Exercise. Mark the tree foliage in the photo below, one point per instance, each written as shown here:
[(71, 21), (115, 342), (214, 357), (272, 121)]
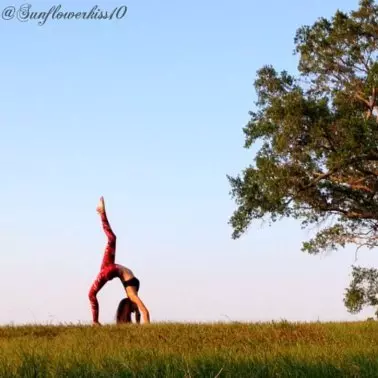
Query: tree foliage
[(318, 136), (363, 290)]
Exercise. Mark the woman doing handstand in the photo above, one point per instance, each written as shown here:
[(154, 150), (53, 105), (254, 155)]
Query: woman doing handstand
[(110, 270)]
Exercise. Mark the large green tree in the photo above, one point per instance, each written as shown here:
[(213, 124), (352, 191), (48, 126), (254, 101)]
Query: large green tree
[(317, 139)]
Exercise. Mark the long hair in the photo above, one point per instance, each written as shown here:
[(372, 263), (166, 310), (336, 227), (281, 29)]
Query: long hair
[(125, 308)]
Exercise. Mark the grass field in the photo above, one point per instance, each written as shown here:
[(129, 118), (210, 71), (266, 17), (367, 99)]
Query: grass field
[(191, 350)]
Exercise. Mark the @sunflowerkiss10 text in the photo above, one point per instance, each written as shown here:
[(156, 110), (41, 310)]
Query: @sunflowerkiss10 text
[(26, 12)]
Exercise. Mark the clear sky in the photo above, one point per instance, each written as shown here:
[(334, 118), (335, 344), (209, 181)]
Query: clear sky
[(148, 111)]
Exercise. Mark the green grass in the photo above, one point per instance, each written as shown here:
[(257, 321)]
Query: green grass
[(191, 350)]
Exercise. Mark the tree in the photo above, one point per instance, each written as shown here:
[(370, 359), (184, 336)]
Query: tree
[(363, 290), (318, 139)]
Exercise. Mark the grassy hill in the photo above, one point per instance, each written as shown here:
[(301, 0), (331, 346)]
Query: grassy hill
[(191, 350)]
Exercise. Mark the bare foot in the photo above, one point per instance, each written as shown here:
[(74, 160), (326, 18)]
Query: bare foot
[(101, 206), (97, 324)]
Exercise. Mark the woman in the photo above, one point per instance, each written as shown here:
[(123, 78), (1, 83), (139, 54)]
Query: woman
[(110, 270), (124, 311)]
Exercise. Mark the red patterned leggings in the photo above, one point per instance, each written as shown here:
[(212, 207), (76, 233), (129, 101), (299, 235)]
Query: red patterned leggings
[(108, 269)]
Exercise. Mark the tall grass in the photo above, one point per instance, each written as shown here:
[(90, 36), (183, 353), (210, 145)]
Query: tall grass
[(191, 350)]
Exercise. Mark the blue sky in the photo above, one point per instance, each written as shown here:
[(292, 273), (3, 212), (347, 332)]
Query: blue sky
[(148, 111)]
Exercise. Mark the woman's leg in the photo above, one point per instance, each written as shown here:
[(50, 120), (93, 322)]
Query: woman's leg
[(103, 277), (110, 249), (92, 295)]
